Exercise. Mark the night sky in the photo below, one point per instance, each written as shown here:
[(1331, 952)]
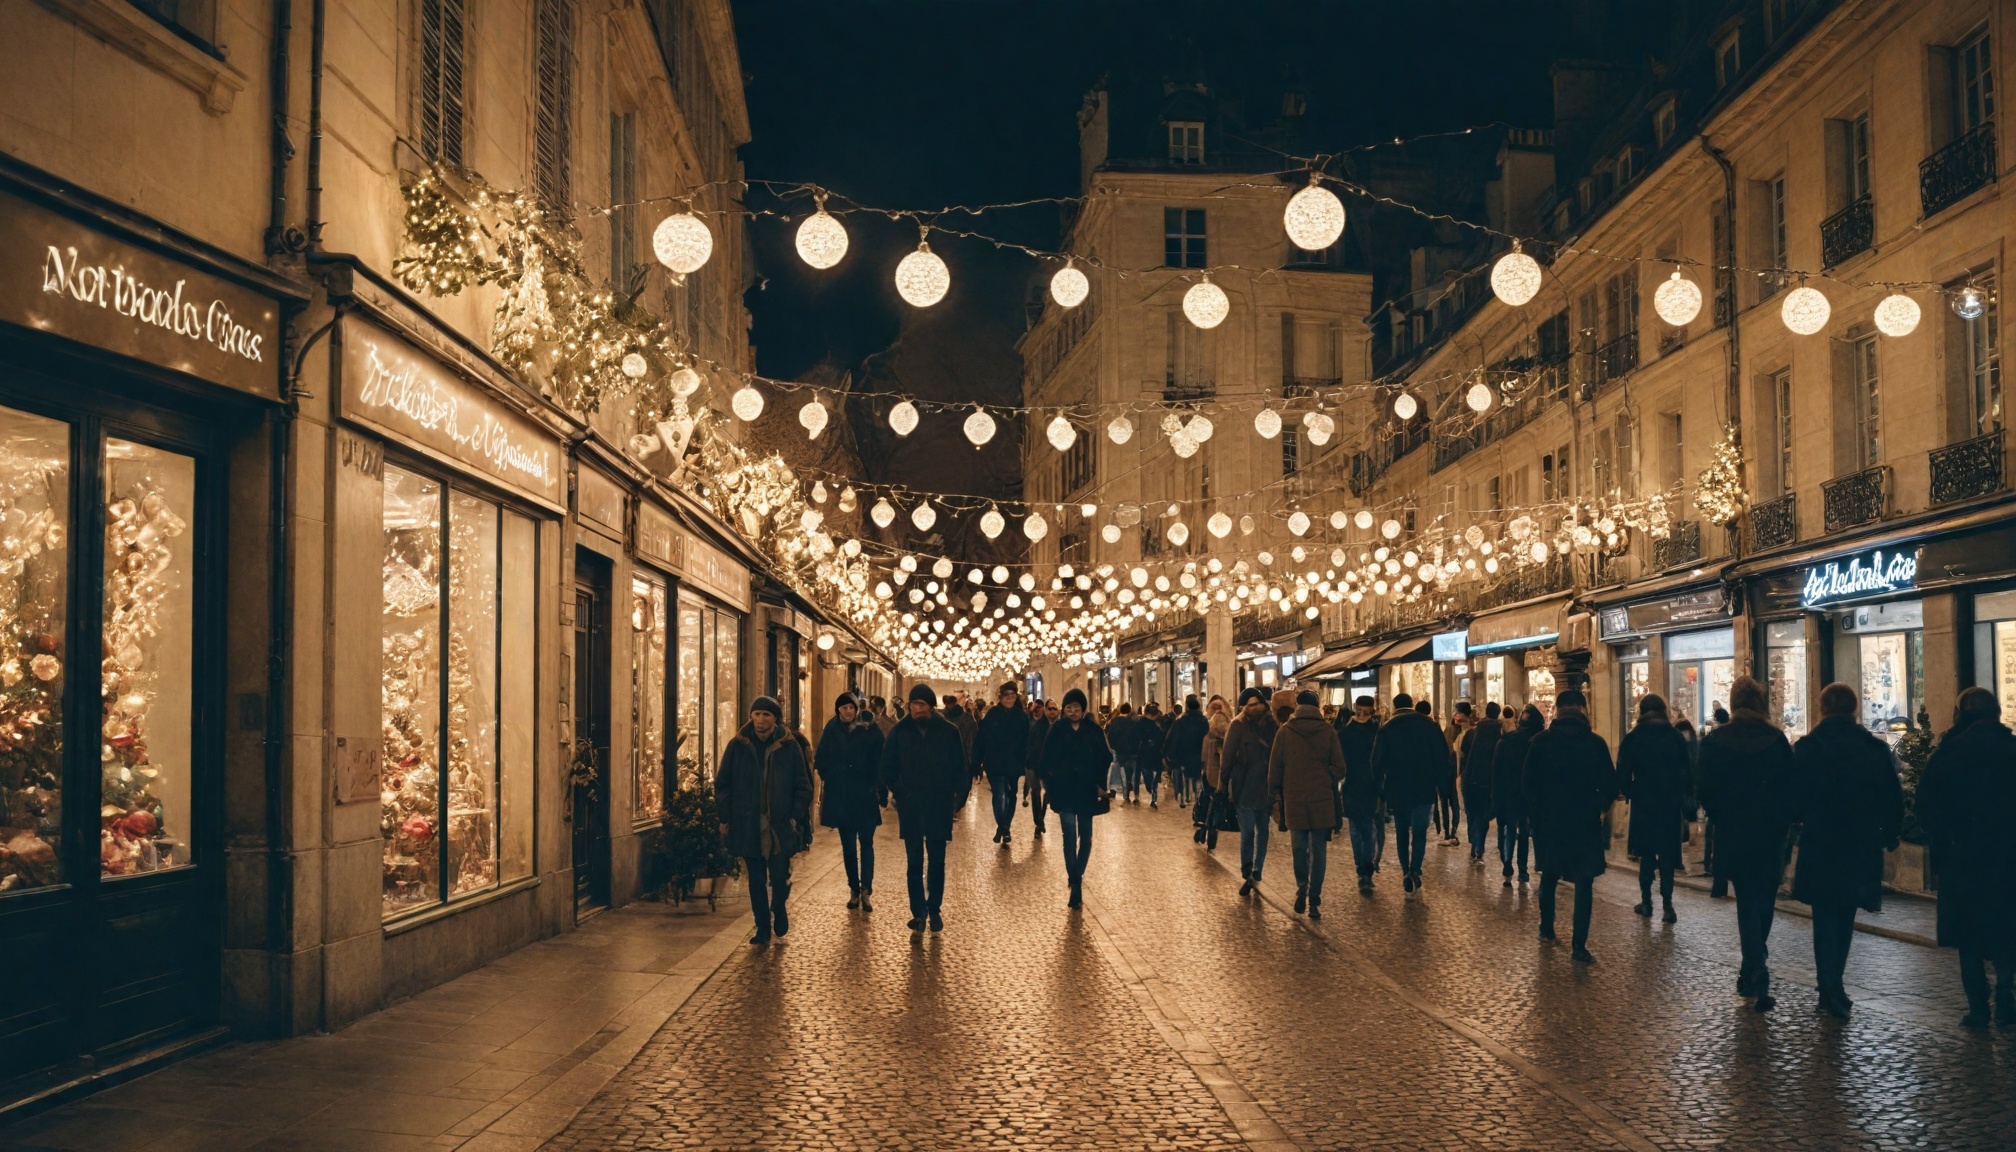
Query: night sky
[(927, 104)]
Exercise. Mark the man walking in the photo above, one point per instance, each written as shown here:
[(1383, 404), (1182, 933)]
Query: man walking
[(1746, 787), (764, 794), (1409, 758), (1967, 798), (964, 722), (1448, 805), (1248, 744), (1044, 718), (1184, 749), (1304, 768), (1570, 784), (1148, 750), (1074, 763), (1362, 806), (924, 769), (1001, 750), (1508, 792), (849, 763), (1480, 748), (1654, 773), (1123, 736)]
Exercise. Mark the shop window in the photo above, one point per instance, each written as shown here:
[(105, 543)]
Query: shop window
[(649, 609), (1635, 675), (448, 813), (710, 686), (1700, 671), (1785, 675), (1881, 650), (1995, 648), (34, 605)]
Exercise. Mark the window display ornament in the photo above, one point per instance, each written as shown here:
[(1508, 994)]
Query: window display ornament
[(140, 575), (1120, 430), (1897, 315), (922, 279), (682, 243), (1069, 287), (813, 418), (1314, 217), (1205, 304), (1678, 300), (1267, 423), (822, 240), (1805, 310), (1515, 278), (882, 513), (979, 427), (1969, 303), (1061, 433), (747, 403)]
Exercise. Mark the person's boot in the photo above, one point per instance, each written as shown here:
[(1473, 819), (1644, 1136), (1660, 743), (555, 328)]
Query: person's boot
[(1077, 893), (1315, 907), (853, 897), (865, 905), (1365, 885), (1644, 905), (1669, 917), (1301, 899), (1582, 955), (1976, 1017), (1523, 877), (916, 923), (783, 922), (1765, 1002), (1718, 888)]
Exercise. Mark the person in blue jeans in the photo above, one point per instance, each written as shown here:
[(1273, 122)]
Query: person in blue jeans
[(1123, 736), (1360, 791), (1411, 756), (1248, 744), (1073, 768), (1001, 750)]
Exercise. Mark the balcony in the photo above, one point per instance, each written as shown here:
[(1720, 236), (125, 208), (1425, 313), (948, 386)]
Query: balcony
[(1187, 390), (1617, 359), (1857, 498), (1848, 233), (1303, 387), (1947, 176), (1968, 469), (1775, 522), (1681, 546)]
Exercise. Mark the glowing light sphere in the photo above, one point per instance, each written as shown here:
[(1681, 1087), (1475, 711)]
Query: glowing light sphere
[(1171, 423), (1246, 524), (1061, 433), (979, 428), (683, 382), (1491, 564), (822, 241), (1321, 427), (818, 491), (682, 243), (1179, 534), (1539, 552), (1805, 310), (812, 417), (992, 522), (1069, 287), (1200, 428), (942, 568), (810, 518), (1035, 527), (1110, 533), (1267, 423), (1183, 445), (1298, 522), (1338, 520), (1000, 573), (634, 366), (1515, 278), (747, 403), (1404, 405), (1220, 525), (922, 278), (1206, 305), (1028, 582), (1478, 397), (1897, 315), (825, 641), (1363, 519), (883, 513), (1088, 510), (1969, 303), (1314, 217), (1390, 529), (1678, 300), (1120, 430), (924, 516)]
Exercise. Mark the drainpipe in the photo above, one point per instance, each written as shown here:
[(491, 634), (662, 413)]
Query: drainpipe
[(1733, 389), (317, 29), (282, 238)]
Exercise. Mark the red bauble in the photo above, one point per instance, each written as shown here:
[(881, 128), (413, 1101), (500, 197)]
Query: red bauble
[(417, 828)]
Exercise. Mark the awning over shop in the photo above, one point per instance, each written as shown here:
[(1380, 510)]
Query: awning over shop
[(1339, 662), (1403, 651), (1520, 626)]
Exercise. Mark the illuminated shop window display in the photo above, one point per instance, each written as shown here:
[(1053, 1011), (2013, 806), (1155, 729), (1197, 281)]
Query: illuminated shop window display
[(649, 609), (34, 585), (710, 684)]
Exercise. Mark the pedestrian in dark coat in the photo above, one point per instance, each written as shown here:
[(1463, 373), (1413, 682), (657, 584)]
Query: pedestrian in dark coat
[(1508, 791), (1184, 749), (1248, 742), (924, 769), (1850, 805), (849, 762), (1304, 768), (1480, 749), (1410, 757), (1967, 800), (1001, 750), (1745, 781), (1044, 718), (763, 792), (1570, 784), (1656, 774), (1364, 811), (1075, 760), (1214, 809), (1149, 735), (962, 718), (1123, 735)]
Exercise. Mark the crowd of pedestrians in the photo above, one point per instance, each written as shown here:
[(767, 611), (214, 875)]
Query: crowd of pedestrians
[(1274, 762)]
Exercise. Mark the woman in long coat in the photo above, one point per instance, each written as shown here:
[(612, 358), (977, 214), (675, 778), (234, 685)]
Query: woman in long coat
[(1304, 768), (1075, 760), (1967, 800), (1570, 783), (1656, 774), (849, 763)]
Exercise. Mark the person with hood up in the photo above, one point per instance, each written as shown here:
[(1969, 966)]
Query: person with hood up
[(1304, 768), (1508, 791), (1746, 781), (1850, 805), (924, 771), (1001, 750), (1570, 784), (1123, 735), (764, 794), (1480, 748), (1043, 717), (1967, 799), (849, 763), (1149, 734), (1249, 741), (1075, 759), (1206, 815), (1363, 811), (1184, 748), (1656, 775), (1410, 758)]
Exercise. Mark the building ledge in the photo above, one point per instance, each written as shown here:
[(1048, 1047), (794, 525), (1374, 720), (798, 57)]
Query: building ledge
[(139, 35)]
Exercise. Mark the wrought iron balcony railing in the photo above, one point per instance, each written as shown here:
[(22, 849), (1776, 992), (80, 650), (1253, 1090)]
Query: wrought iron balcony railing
[(1681, 546), (1947, 176), (1848, 233), (1968, 469), (1775, 522), (1617, 358), (1857, 498)]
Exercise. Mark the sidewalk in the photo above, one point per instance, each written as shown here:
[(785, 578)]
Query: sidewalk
[(1912, 919), (499, 1059)]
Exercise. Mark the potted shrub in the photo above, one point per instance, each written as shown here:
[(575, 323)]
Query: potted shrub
[(1906, 868), (687, 847)]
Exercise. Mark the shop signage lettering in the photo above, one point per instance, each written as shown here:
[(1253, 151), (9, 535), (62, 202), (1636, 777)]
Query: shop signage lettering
[(1877, 574), (64, 272), (1452, 645)]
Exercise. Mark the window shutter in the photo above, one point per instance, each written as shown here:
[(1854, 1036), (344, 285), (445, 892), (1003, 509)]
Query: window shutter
[(553, 139), (1841, 367), (1287, 350), (441, 81)]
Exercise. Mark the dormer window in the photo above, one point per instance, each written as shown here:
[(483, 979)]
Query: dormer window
[(1665, 121), (1627, 165), (1186, 142), (1728, 58)]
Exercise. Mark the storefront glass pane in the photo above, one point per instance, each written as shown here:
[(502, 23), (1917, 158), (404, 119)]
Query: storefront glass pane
[(34, 580), (411, 690), (1540, 690), (1684, 692), (647, 694), (148, 663), (472, 694), (694, 764), (1494, 678), (1886, 682), (517, 695), (1637, 677), (727, 681), (1720, 678), (1785, 673)]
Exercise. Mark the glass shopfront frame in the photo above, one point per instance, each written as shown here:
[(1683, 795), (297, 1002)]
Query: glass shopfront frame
[(1995, 648), (1786, 679), (1880, 649), (1700, 672), (652, 643), (709, 677), (1634, 678)]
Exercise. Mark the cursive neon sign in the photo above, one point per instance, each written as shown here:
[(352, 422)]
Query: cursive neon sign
[(117, 290), (401, 387), (1877, 574)]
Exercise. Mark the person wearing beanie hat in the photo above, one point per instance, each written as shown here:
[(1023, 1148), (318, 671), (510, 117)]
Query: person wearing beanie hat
[(1001, 750), (1746, 776), (1656, 775), (1570, 784), (1410, 756), (1304, 768), (1248, 744), (1073, 767), (763, 792), (924, 771), (849, 763)]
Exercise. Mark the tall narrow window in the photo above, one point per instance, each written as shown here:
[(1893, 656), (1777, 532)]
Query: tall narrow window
[(1984, 361), (35, 481), (1627, 454), (553, 103), (1974, 75), (622, 199), (1291, 451), (1729, 59), (1188, 367), (1675, 449), (649, 612), (1868, 404), (1183, 237), (1774, 237), (441, 81), (1724, 279), (1781, 437), (1186, 142)]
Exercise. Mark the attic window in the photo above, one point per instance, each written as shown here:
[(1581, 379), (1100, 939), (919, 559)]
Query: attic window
[(1186, 142), (1729, 58), (1665, 121)]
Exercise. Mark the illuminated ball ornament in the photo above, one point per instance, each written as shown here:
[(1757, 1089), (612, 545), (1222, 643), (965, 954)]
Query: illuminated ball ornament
[(1805, 310), (1060, 433), (924, 516), (1390, 529), (1120, 430), (1110, 533), (1069, 287), (1182, 444), (1200, 428), (1205, 304), (1267, 423), (1405, 406), (1314, 217), (1321, 427), (1298, 523), (683, 382), (1035, 527), (1969, 303), (812, 417), (1179, 534), (979, 427), (1363, 519), (1678, 300), (1897, 315), (682, 243), (1478, 397), (1220, 525), (821, 239), (1515, 278), (903, 418), (747, 403), (922, 278), (884, 514), (634, 366), (992, 522)]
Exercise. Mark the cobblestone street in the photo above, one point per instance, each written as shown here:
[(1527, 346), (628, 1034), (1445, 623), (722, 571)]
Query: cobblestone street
[(1169, 1013)]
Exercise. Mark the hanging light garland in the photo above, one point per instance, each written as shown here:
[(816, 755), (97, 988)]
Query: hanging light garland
[(1061, 433), (1069, 287), (822, 240), (979, 427), (1515, 278), (1897, 315), (1719, 493), (1314, 217), (812, 417), (922, 279), (747, 403), (903, 418), (1678, 300), (1805, 310), (1205, 304)]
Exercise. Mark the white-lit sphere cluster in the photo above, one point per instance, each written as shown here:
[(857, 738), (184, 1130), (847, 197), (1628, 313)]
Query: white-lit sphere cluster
[(922, 278), (747, 403), (979, 428), (822, 241), (682, 243), (1182, 444), (1069, 287), (1897, 315), (1805, 310), (1206, 305), (1314, 217), (1320, 427), (1678, 300), (1200, 428), (1515, 278)]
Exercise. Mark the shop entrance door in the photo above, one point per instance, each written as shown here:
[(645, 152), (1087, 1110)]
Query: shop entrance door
[(590, 807)]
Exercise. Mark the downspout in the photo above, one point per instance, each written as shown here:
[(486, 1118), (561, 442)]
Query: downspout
[(1733, 389), (317, 30), (281, 238)]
